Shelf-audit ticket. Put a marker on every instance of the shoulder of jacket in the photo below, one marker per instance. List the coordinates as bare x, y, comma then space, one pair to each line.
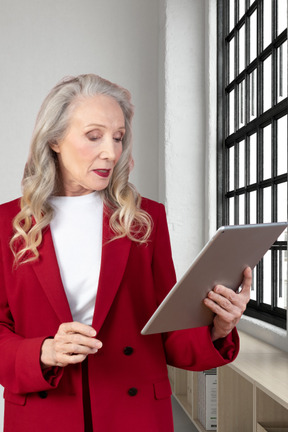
10, 209
150, 206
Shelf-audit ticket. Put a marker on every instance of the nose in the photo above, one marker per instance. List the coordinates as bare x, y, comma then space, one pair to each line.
108, 150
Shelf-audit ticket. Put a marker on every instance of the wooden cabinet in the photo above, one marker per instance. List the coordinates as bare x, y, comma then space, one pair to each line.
252, 391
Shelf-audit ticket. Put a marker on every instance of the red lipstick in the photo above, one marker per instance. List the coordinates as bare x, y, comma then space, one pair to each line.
102, 172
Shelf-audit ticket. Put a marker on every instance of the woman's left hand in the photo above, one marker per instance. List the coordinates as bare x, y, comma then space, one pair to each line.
228, 306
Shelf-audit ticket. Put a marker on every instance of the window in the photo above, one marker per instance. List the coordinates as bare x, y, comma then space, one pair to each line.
252, 136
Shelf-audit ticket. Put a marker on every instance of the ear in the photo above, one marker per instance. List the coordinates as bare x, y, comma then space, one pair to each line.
54, 146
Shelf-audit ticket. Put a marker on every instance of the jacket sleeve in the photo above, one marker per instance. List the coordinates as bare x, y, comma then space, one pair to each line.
190, 349
20, 369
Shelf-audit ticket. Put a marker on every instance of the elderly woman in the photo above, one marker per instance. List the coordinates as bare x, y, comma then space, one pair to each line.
84, 262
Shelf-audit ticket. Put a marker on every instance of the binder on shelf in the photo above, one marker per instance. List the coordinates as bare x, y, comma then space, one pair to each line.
207, 399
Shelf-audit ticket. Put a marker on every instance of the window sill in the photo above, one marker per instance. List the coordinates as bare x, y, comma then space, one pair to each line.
265, 332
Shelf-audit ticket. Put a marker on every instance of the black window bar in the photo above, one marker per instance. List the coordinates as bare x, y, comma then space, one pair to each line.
252, 136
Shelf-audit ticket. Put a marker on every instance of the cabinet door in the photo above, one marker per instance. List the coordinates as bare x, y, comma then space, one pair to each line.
235, 401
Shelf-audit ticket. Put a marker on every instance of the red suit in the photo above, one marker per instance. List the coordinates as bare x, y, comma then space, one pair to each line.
129, 387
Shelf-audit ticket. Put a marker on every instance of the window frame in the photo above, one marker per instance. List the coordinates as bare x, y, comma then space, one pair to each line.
256, 308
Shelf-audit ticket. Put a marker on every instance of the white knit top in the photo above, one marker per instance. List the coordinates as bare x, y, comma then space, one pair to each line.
77, 236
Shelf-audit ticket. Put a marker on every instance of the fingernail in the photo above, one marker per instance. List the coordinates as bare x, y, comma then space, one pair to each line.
92, 332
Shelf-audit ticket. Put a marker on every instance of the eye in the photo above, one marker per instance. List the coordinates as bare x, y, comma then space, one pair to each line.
119, 138
93, 135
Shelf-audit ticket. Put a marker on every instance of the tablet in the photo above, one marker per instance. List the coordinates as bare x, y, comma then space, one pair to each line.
221, 261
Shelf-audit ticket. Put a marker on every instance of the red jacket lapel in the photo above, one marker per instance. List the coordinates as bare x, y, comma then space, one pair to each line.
47, 271
114, 259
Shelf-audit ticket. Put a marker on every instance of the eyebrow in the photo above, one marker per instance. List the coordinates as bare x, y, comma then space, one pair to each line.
103, 126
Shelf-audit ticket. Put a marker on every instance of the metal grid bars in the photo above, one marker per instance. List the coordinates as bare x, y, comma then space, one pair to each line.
252, 135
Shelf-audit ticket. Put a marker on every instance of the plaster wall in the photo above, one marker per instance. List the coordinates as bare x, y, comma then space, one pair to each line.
40, 42
185, 137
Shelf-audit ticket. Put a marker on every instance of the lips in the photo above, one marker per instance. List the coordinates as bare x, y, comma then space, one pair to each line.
102, 172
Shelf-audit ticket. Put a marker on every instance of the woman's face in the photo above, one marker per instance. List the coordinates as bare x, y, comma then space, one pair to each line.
91, 146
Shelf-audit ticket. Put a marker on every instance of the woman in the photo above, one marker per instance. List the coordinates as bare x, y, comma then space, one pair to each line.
84, 263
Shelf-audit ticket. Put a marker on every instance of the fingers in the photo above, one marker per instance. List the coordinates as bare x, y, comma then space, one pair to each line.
76, 327
228, 306
77, 338
72, 343
226, 298
76, 344
222, 300
247, 281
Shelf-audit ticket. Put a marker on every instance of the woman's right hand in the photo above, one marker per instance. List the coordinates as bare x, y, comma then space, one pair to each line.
72, 343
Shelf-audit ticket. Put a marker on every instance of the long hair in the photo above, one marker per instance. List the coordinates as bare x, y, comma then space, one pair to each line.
42, 178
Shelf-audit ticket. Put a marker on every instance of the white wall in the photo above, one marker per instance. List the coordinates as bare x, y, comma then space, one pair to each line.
42, 41
185, 137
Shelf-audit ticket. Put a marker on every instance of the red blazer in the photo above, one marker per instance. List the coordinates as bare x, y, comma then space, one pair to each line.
128, 378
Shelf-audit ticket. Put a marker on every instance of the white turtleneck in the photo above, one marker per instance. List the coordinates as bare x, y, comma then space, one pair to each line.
77, 236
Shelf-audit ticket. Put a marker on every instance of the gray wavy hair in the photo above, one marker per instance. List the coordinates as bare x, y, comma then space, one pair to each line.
41, 177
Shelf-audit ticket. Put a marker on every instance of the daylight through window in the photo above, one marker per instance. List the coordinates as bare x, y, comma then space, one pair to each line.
252, 136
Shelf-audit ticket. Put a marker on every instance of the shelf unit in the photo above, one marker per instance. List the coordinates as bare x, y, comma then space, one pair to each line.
252, 391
